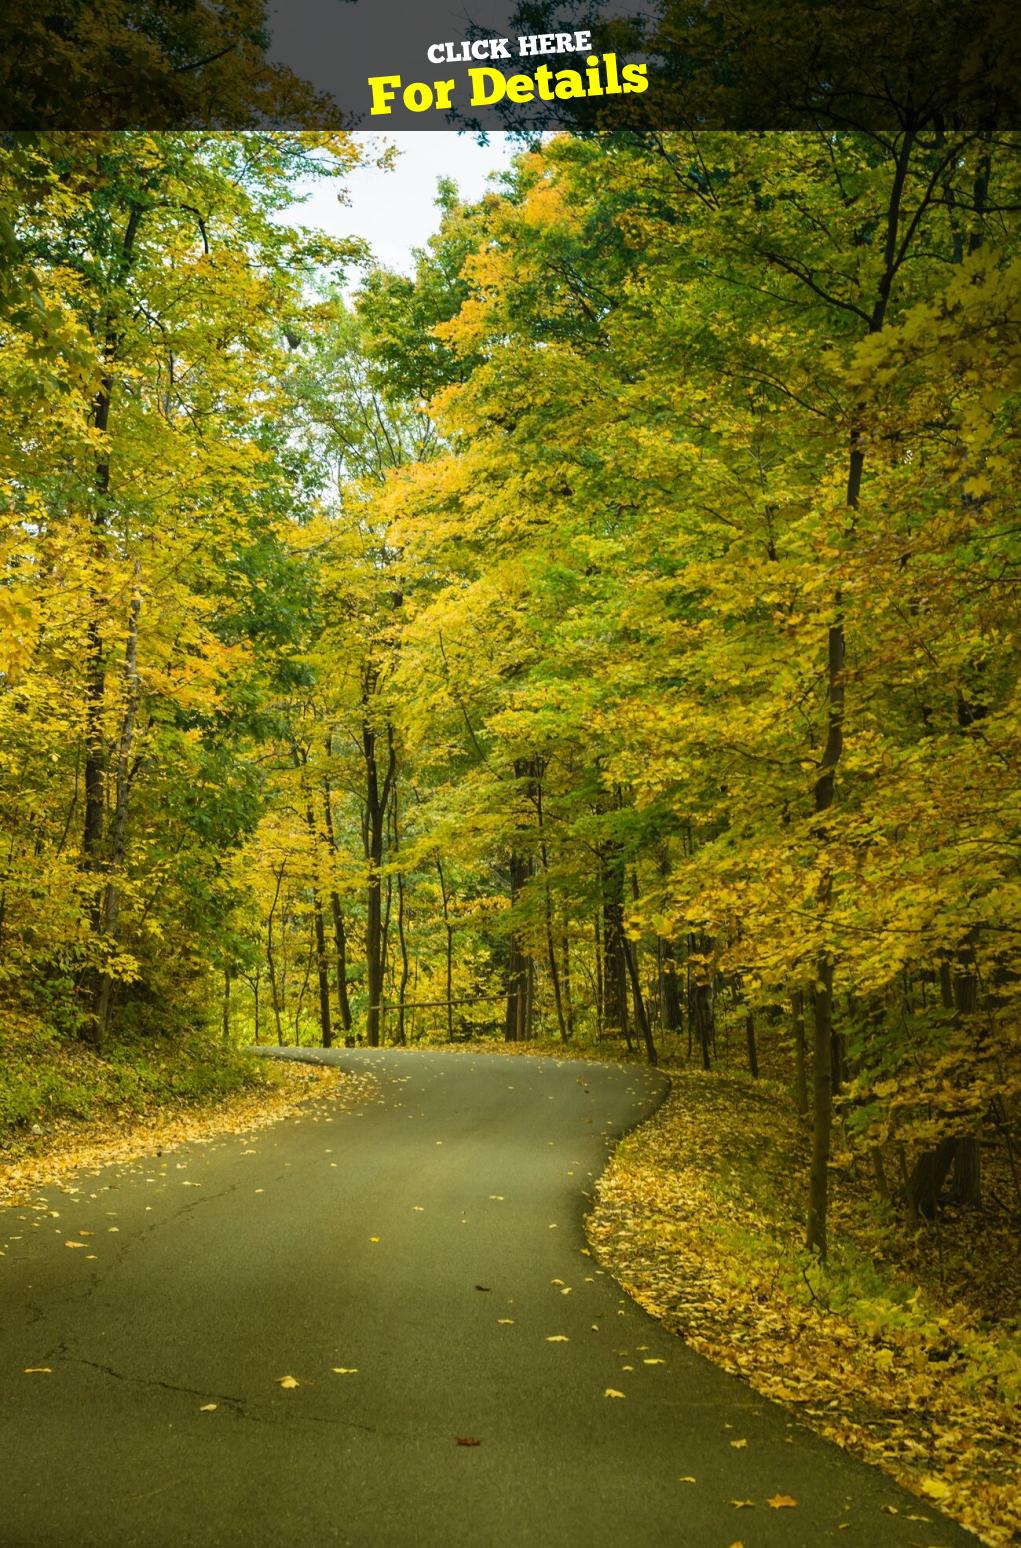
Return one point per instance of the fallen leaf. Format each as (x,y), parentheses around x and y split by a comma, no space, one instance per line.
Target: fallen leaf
(373,1238)
(38,1370)
(612,1392)
(654,1362)
(287,1381)
(687,1480)
(742,1504)
(936,1488)
(557,1338)
(505,1322)
(484,1287)
(345,1370)
(74,1244)
(418,1208)
(739,1445)
(208,1408)
(497,1196)
(467,1440)
(781,1502)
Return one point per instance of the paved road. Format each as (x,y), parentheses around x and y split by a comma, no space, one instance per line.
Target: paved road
(425,1245)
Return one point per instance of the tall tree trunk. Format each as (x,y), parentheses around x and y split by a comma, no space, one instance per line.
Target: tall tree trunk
(568,996)
(110,913)
(800,1069)
(449,949)
(402,987)
(701,997)
(319,926)
(377,797)
(669,992)
(551,950)
(93,859)
(822,1115)
(825,784)
(339,934)
(516,1026)
(271,958)
(615,1017)
(641,1015)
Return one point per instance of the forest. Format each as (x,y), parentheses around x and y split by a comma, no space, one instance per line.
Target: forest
(607,635)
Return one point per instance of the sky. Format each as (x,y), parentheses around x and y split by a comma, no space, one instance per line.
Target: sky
(395,211)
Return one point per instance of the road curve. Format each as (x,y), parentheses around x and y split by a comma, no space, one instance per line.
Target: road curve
(418,1268)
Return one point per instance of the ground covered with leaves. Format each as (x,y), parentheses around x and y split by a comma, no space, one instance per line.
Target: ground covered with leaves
(52,1152)
(905,1349)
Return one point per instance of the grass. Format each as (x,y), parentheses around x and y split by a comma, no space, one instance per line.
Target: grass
(46,1082)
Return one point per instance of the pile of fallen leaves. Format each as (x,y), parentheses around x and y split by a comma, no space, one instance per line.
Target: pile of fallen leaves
(67,1147)
(700,1216)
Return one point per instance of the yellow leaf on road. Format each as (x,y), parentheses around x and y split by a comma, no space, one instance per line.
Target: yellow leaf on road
(208,1408)
(742,1504)
(505,1322)
(781,1502)
(653,1362)
(687,1480)
(74,1244)
(38,1370)
(345,1370)
(936,1488)
(557,1338)
(612,1392)
(287,1381)
(739,1445)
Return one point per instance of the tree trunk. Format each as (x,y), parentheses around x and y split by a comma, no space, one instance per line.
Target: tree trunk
(339,935)
(93,860)
(377,797)
(271,959)
(822,1044)
(701,1011)
(669,993)
(641,1015)
(449,951)
(225,1008)
(111,893)
(800,1071)
(615,1016)
(551,950)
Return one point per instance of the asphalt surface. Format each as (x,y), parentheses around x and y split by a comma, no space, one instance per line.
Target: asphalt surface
(418,1267)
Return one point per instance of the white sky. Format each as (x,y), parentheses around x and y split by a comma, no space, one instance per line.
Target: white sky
(396,211)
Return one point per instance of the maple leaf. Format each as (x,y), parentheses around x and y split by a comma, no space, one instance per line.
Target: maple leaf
(739,1445)
(742,1504)
(781,1502)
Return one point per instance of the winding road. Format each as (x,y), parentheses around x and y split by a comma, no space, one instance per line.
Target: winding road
(461,1373)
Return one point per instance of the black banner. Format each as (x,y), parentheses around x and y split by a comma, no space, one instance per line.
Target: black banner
(493,65)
